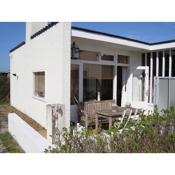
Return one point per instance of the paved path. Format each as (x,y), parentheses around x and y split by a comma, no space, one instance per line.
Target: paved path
(3,123)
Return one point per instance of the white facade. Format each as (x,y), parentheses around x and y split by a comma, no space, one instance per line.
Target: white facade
(51,52)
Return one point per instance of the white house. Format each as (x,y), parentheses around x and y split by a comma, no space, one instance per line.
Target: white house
(57,62)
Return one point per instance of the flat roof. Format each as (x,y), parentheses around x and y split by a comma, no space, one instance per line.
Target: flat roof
(122,37)
(94,32)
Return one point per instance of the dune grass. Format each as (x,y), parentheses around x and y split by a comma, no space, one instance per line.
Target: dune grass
(9,143)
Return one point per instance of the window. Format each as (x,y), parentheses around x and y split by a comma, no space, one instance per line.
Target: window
(89,55)
(123,59)
(39,84)
(74,83)
(98,82)
(107,57)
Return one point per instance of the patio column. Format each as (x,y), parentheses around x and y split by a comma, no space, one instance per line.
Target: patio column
(115,79)
(81,82)
(163,64)
(157,64)
(151,77)
(170,63)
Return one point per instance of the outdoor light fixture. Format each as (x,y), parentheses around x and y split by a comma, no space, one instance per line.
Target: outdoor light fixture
(15,75)
(99,54)
(75,51)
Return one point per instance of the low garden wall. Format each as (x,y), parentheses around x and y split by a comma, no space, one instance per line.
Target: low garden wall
(29,139)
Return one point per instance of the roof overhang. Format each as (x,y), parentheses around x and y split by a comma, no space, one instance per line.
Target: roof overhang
(99,36)
(109,39)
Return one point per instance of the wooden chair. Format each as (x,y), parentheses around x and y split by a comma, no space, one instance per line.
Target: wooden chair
(135,116)
(88,110)
(126,116)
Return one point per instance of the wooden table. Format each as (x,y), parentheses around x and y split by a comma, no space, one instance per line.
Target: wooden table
(109,114)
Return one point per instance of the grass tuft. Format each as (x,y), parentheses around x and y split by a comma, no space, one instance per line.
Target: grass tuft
(9,143)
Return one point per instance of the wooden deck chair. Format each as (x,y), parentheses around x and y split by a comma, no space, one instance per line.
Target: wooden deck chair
(122,118)
(135,116)
(129,117)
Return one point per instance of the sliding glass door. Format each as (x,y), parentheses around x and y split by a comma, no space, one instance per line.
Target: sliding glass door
(74,83)
(98,82)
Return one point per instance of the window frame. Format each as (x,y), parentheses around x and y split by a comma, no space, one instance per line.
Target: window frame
(35,94)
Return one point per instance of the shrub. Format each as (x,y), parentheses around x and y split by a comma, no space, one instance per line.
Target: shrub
(151,134)
(4,88)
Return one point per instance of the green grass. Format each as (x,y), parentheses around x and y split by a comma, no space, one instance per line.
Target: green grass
(9,143)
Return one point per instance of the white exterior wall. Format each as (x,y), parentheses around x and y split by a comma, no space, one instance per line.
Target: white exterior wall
(49,52)
(29,139)
(135,61)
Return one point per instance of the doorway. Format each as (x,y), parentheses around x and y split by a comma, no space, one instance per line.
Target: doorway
(122,76)
(119,85)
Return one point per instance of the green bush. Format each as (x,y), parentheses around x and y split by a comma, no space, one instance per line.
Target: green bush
(151,134)
(4,88)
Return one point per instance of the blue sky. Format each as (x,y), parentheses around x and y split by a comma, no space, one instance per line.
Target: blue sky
(12,34)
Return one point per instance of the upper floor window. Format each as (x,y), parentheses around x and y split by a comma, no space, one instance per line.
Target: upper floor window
(39,84)
(107,57)
(123,59)
(89,55)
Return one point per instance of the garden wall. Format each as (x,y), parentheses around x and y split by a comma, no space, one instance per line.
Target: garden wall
(29,139)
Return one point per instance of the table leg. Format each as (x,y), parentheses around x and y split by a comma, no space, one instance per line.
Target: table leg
(96,121)
(110,122)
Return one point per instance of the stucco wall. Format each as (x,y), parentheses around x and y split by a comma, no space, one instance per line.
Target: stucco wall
(49,52)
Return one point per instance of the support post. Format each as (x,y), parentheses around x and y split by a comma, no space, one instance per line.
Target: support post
(80,82)
(157,64)
(146,99)
(163,64)
(151,77)
(115,80)
(170,63)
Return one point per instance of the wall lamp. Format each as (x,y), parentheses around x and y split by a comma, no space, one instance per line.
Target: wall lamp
(15,75)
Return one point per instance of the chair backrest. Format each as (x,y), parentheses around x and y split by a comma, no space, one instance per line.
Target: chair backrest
(79,105)
(91,107)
